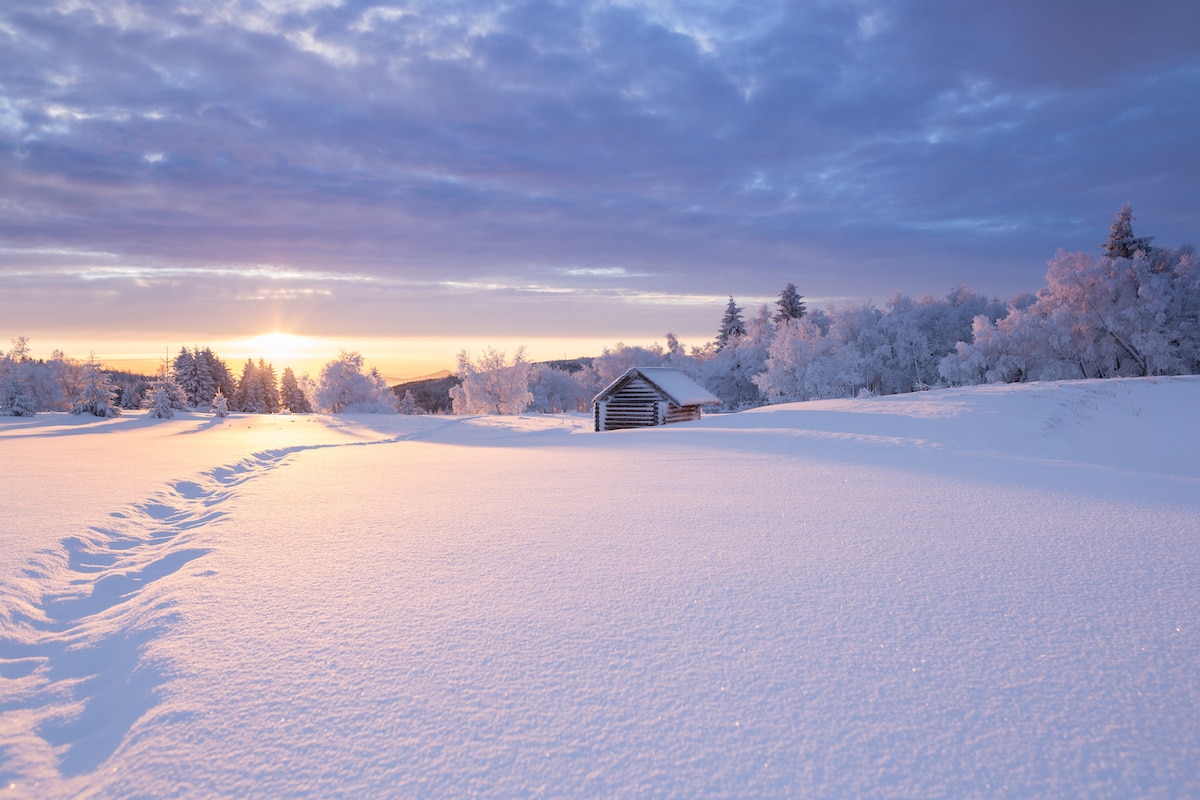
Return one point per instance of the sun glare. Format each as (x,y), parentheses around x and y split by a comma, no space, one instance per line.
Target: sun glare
(277,347)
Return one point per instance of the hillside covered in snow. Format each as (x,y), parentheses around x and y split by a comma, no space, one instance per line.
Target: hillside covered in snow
(989,591)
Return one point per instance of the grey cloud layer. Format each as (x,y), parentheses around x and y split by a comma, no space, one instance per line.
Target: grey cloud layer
(859,147)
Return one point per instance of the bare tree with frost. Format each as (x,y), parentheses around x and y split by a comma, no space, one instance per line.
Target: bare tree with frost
(491,384)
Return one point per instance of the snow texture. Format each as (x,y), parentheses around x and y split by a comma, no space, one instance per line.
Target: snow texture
(990,591)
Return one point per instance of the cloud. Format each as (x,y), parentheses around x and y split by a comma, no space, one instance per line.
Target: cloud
(652,146)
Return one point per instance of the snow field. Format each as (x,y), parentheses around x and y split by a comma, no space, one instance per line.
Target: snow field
(985,592)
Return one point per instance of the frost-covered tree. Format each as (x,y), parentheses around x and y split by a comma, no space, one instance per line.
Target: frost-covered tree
(221,376)
(615,361)
(344,388)
(56,382)
(805,364)
(1121,242)
(19,353)
(220,405)
(1184,312)
(675,349)
(290,395)
(408,404)
(241,399)
(729,372)
(15,398)
(732,325)
(308,387)
(555,391)
(200,373)
(131,392)
(193,372)
(256,391)
(901,347)
(165,394)
(1097,317)
(491,384)
(790,304)
(270,386)
(98,396)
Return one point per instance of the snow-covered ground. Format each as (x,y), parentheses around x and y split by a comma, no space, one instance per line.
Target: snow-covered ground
(982,592)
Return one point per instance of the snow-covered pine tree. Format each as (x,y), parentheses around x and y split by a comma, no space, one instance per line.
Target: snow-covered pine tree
(16,400)
(222,378)
(248,396)
(270,386)
(791,304)
(165,395)
(732,325)
(98,396)
(220,405)
(728,373)
(132,392)
(1121,242)
(205,384)
(15,397)
(408,404)
(291,396)
(185,374)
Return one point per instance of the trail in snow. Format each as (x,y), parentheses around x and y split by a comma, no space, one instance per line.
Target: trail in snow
(73,640)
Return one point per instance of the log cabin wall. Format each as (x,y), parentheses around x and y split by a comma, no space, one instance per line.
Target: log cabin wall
(637,404)
(682,413)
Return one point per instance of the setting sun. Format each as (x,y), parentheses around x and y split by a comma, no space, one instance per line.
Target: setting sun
(277,346)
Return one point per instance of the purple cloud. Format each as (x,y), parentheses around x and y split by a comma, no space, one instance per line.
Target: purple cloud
(626,148)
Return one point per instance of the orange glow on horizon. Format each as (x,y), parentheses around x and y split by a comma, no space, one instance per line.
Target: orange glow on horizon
(397,358)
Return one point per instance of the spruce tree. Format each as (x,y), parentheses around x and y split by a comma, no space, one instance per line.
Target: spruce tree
(16,390)
(185,374)
(16,399)
(269,387)
(791,305)
(165,395)
(247,396)
(1121,242)
(290,395)
(206,386)
(220,405)
(222,378)
(732,325)
(98,395)
(408,404)
(132,392)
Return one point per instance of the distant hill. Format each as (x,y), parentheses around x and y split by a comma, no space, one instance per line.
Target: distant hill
(433,376)
(432,392)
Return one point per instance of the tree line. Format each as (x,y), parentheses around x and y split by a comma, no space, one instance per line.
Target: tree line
(1131,310)
(197,379)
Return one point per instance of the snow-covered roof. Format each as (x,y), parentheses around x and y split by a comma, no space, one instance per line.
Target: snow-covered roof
(673,384)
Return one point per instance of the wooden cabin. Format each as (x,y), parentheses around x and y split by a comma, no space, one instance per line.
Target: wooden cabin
(647,396)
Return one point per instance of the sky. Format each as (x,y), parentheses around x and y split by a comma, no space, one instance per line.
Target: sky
(410,179)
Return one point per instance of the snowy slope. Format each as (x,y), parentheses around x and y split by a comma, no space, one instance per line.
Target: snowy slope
(979,592)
